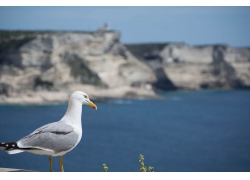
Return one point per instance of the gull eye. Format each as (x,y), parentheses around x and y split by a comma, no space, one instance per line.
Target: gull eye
(85,96)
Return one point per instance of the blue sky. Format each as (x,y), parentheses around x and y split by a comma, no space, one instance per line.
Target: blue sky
(191,25)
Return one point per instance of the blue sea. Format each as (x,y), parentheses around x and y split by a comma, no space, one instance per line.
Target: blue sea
(205,131)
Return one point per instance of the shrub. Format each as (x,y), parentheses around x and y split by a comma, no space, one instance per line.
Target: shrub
(141,162)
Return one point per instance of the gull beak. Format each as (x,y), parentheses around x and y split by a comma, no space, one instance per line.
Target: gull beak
(91,104)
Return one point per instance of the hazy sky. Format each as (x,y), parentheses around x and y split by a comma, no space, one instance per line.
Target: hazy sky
(191,25)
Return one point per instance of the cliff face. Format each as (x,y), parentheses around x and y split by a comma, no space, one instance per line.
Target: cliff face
(67,61)
(200,67)
(45,67)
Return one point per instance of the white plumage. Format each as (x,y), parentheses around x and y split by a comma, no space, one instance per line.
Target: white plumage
(58,138)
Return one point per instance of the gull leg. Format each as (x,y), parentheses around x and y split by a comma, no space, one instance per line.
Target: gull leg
(50,163)
(61,164)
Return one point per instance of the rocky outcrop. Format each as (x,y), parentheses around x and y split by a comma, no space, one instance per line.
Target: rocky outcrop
(199,67)
(56,61)
(46,67)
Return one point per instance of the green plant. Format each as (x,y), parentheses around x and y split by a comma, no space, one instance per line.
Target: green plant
(151,169)
(105,168)
(143,167)
(141,162)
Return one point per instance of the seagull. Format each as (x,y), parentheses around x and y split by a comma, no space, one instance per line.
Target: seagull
(57,138)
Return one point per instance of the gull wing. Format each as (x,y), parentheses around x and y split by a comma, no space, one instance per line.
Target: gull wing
(55,137)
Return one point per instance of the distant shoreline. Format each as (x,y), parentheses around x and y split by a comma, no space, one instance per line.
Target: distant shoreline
(160,95)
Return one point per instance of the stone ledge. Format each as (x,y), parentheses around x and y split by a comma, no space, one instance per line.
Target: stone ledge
(13,170)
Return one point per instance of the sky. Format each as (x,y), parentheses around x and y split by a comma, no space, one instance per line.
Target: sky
(198,25)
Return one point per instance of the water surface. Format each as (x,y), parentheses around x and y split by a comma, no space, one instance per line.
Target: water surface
(185,131)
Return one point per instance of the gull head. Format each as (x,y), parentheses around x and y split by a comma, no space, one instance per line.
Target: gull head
(83,98)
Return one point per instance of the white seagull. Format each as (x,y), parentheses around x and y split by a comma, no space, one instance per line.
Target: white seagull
(57,138)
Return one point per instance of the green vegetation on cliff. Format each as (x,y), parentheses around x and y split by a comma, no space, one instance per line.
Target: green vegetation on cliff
(80,70)
(38,82)
(139,50)
(12,40)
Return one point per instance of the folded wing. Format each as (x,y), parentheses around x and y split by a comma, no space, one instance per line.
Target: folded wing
(55,137)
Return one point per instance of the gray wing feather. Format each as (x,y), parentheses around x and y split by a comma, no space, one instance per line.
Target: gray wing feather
(54,136)
(55,127)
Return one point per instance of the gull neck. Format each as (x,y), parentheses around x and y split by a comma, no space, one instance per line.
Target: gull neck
(73,114)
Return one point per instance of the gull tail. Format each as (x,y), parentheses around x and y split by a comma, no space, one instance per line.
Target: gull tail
(10,147)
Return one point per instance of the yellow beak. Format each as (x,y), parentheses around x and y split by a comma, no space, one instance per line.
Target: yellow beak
(91,104)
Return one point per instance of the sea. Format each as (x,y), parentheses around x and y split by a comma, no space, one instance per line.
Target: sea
(184,131)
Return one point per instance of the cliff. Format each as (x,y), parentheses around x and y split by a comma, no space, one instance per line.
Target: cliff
(46,67)
(198,67)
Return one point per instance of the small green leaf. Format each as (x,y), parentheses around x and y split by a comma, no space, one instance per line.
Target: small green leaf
(151,169)
(143,169)
(141,157)
(141,163)
(105,168)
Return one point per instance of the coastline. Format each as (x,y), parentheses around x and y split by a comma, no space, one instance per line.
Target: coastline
(59,97)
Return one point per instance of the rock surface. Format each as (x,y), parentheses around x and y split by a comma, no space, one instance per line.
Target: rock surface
(46,67)
(13,170)
(200,67)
